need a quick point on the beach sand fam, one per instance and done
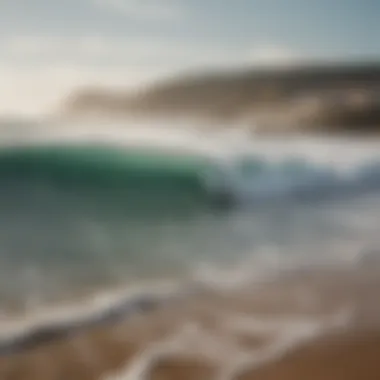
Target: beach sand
(315, 325)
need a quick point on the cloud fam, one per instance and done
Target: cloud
(144, 9)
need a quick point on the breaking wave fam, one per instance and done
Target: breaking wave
(153, 178)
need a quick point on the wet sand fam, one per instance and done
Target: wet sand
(316, 325)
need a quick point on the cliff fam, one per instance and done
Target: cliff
(338, 97)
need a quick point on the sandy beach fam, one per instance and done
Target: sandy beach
(316, 324)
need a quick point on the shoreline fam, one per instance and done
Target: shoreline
(300, 325)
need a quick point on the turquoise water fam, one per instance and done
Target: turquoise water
(78, 218)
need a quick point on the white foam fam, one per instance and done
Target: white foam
(290, 335)
(220, 349)
(226, 141)
(84, 313)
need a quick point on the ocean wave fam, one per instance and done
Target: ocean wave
(167, 176)
(252, 180)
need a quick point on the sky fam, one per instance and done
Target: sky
(50, 48)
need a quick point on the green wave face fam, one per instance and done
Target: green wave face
(142, 177)
(83, 217)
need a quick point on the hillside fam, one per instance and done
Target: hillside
(315, 96)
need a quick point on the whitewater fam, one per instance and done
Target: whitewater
(74, 257)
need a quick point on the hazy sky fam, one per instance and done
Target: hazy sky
(49, 47)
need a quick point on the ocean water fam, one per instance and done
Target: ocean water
(75, 218)
(82, 232)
